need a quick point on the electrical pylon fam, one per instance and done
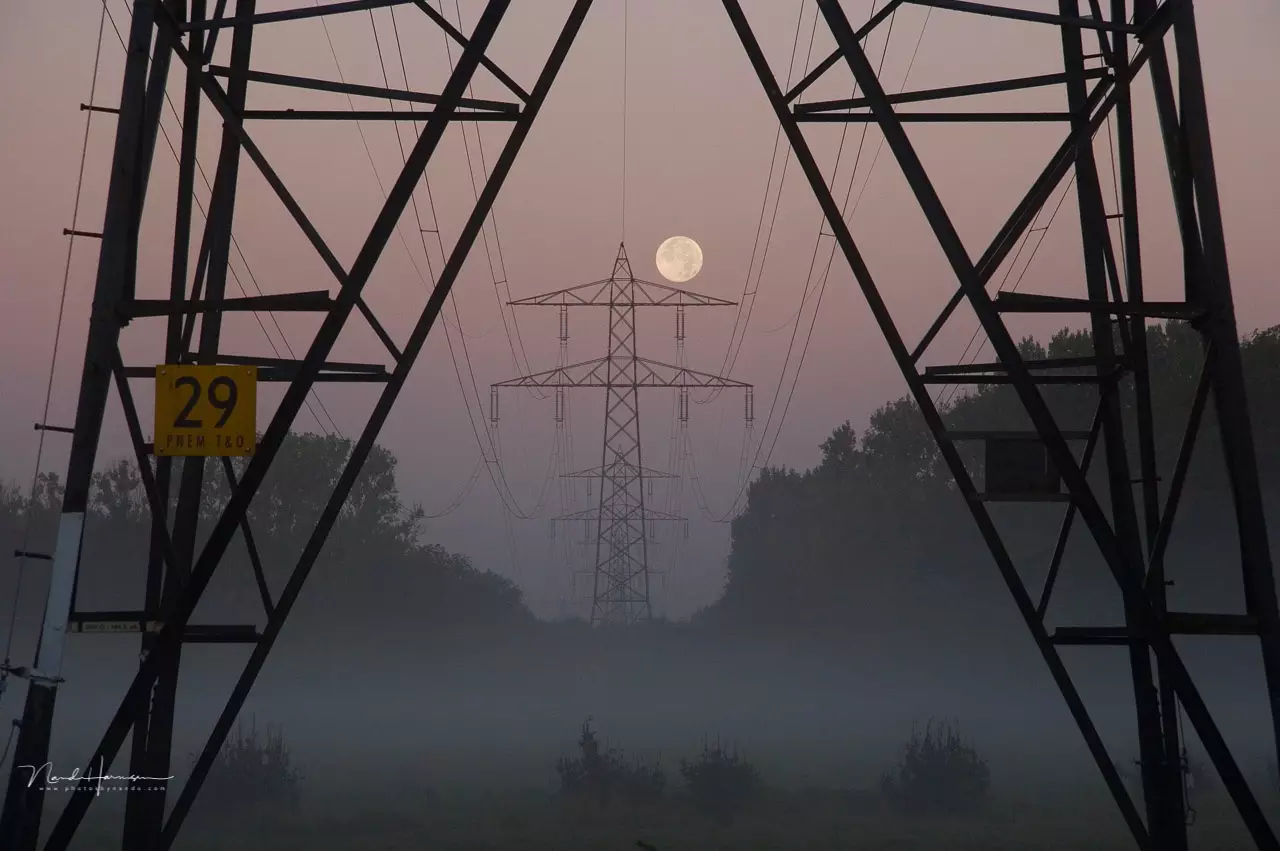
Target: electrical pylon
(182, 33)
(1038, 465)
(1135, 551)
(620, 583)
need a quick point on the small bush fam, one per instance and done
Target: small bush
(598, 775)
(252, 774)
(720, 782)
(939, 773)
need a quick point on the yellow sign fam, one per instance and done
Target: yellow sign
(206, 410)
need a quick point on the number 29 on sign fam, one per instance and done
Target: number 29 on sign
(206, 410)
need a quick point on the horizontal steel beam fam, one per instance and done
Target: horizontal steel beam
(967, 90)
(937, 117)
(317, 11)
(315, 300)
(285, 363)
(1007, 379)
(993, 11)
(1012, 435)
(1175, 623)
(1035, 364)
(365, 115)
(1010, 302)
(380, 92)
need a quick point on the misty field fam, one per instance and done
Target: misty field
(801, 819)
(257, 798)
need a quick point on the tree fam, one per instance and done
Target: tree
(375, 567)
(858, 539)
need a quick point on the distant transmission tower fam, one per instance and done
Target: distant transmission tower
(623, 523)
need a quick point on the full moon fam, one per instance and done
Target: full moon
(679, 259)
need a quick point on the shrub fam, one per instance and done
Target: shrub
(720, 782)
(600, 774)
(253, 774)
(939, 773)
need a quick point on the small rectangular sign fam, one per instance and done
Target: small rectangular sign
(206, 410)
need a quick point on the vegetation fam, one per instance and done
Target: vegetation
(819, 556)
(939, 774)
(720, 782)
(252, 775)
(403, 582)
(599, 775)
(837, 549)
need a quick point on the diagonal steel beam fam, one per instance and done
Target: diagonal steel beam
(360, 452)
(220, 536)
(1229, 397)
(1181, 467)
(24, 800)
(834, 57)
(232, 123)
(317, 11)
(990, 10)
(1102, 100)
(450, 30)
(1091, 512)
(919, 390)
(1064, 531)
(246, 531)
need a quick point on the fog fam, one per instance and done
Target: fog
(420, 687)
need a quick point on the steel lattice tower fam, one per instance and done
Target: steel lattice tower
(620, 575)
(1131, 532)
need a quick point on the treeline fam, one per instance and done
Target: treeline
(873, 542)
(375, 565)
(875, 536)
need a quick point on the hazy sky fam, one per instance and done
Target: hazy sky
(699, 137)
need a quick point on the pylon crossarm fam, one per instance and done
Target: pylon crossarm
(635, 293)
(595, 373)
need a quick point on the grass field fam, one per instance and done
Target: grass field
(812, 820)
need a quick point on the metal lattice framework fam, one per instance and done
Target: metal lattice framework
(1114, 303)
(1132, 39)
(177, 574)
(620, 575)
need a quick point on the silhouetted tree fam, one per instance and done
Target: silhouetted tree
(850, 544)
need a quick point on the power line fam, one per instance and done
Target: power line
(53, 361)
(515, 341)
(822, 286)
(731, 353)
(500, 481)
(821, 289)
(831, 256)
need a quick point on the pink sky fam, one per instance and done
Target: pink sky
(699, 137)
